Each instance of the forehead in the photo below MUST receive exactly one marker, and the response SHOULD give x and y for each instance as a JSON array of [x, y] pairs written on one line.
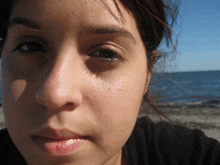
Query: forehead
[[66, 15], [88, 10]]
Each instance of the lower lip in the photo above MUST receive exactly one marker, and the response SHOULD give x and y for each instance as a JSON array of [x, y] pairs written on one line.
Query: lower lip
[[59, 147]]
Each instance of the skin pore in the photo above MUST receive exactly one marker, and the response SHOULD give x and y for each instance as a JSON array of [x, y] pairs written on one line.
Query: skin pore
[[71, 65]]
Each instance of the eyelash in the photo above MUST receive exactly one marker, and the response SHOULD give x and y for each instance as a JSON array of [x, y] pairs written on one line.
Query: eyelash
[[105, 54], [28, 44]]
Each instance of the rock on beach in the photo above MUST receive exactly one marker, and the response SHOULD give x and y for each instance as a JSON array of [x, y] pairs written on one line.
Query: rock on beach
[[2, 120]]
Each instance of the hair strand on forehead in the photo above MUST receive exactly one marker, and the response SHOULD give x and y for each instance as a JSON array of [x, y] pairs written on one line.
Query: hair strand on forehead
[[154, 15], [121, 17]]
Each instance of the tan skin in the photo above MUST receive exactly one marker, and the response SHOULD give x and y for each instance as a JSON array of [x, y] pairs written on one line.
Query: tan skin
[[59, 72]]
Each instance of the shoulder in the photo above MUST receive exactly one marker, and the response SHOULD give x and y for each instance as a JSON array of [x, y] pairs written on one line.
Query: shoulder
[[9, 155], [4, 135], [167, 143], [5, 139]]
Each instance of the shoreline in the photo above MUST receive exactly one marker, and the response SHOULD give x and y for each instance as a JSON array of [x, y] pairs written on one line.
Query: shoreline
[[195, 117]]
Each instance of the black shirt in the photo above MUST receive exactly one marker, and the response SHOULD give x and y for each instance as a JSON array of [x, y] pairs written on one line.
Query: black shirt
[[149, 144], [167, 144]]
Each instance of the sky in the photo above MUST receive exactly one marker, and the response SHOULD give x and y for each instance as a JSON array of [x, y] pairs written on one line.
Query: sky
[[198, 25]]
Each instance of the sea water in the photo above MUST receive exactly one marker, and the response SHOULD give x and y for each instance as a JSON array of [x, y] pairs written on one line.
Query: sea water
[[198, 88]]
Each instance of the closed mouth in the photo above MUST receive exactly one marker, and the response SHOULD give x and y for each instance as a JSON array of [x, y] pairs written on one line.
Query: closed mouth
[[58, 142]]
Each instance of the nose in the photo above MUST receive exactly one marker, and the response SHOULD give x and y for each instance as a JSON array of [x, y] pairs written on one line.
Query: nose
[[60, 87]]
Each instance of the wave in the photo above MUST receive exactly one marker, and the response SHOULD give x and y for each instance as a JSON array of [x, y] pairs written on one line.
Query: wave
[[210, 103]]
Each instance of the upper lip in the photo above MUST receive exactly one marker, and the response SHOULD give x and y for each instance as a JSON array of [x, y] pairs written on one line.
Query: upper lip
[[57, 134]]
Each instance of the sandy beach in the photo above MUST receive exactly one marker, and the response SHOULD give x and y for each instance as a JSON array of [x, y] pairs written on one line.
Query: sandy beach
[[204, 118]]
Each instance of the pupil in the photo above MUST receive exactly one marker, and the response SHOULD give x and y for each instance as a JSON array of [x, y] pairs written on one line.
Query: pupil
[[31, 47], [106, 54]]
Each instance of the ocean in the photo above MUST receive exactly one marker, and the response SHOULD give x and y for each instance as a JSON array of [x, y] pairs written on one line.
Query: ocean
[[200, 88]]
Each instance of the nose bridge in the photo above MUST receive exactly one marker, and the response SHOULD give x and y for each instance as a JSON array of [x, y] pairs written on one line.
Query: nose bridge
[[61, 86], [65, 66]]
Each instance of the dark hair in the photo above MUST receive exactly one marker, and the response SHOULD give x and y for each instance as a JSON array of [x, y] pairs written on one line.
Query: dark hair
[[155, 19], [152, 20]]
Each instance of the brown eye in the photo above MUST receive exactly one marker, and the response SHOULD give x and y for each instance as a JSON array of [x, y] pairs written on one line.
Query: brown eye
[[106, 54], [29, 47]]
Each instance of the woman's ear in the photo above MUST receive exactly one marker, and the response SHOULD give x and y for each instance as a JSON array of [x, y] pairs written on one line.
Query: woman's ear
[[148, 81], [152, 61], [154, 55]]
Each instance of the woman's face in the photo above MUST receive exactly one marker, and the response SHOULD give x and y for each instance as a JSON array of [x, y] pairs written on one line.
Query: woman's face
[[73, 78]]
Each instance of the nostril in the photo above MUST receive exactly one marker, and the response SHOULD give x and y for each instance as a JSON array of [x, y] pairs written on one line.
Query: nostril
[[70, 104]]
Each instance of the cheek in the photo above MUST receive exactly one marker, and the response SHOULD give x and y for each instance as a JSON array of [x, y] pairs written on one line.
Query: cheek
[[12, 94], [117, 101], [13, 90], [115, 104]]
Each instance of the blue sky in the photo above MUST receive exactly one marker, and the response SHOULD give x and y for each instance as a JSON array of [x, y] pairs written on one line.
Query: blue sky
[[199, 35]]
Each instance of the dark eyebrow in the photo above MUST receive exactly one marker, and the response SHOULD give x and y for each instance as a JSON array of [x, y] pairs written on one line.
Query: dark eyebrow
[[106, 30], [110, 30], [25, 22]]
